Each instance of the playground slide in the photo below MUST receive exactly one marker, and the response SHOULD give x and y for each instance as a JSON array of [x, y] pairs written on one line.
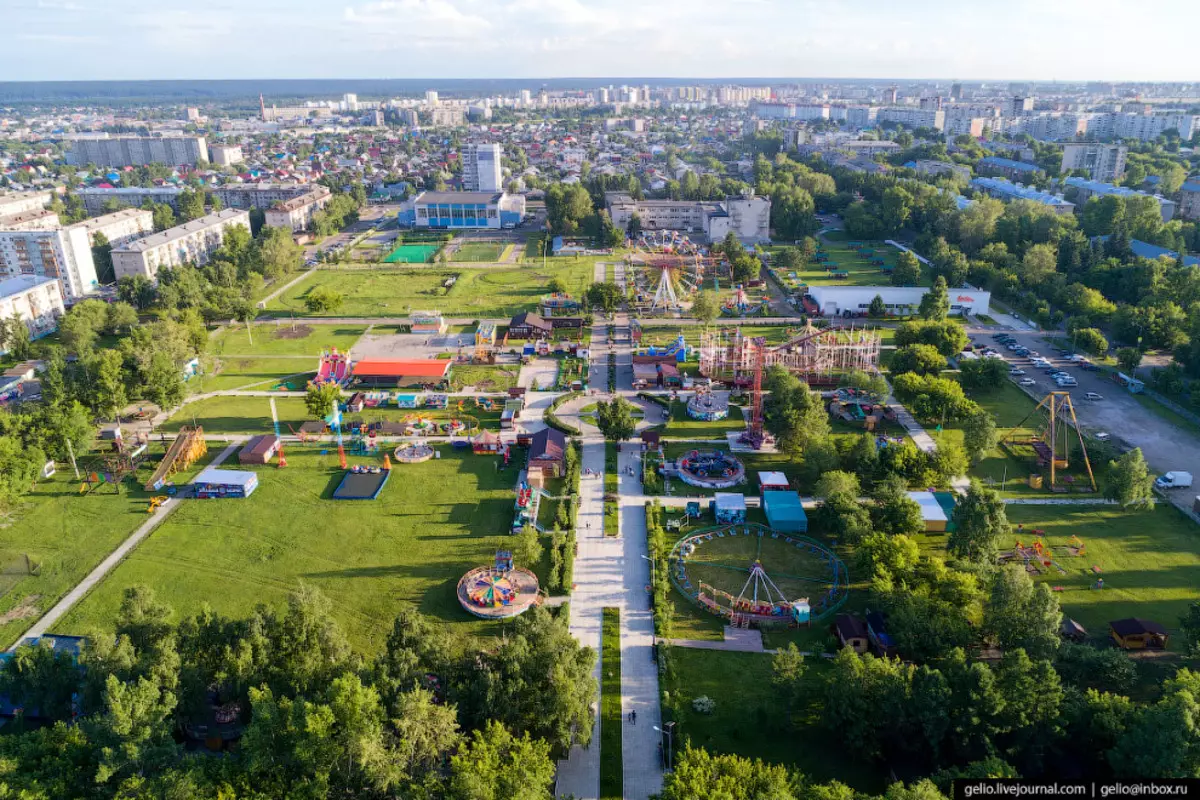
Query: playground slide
[[339, 374], [324, 371], [168, 461]]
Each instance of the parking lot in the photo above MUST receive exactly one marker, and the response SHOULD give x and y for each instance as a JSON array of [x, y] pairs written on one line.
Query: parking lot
[[1165, 446]]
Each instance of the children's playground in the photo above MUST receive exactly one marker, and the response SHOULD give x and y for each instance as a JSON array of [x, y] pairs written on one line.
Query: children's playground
[[753, 576], [708, 469], [1104, 563], [432, 523]]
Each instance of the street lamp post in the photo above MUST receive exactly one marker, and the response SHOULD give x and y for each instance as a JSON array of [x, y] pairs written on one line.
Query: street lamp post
[[669, 731]]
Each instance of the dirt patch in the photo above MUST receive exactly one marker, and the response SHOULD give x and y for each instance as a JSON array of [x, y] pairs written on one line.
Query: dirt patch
[[27, 608], [293, 332]]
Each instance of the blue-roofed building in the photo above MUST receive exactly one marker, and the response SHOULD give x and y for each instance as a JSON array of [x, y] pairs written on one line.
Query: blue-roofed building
[[785, 513], [1008, 191], [1082, 190], [1152, 251], [1013, 170], [1189, 199], [462, 210]]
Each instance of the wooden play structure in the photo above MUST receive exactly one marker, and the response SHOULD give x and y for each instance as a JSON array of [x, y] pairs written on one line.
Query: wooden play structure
[[188, 447], [818, 356], [1051, 443]]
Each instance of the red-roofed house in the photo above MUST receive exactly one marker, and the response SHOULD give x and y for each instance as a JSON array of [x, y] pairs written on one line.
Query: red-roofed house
[[401, 372]]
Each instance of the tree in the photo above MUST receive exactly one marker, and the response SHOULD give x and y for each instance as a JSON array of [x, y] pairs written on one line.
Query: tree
[[102, 256], [615, 419], [191, 204], [121, 316], [979, 523], [1189, 629], [706, 307], [894, 511], [556, 286], [1090, 340], [983, 374], [1128, 359], [1020, 614], [979, 434], [275, 253], [15, 337], [323, 299], [322, 398], [948, 337], [932, 398], [878, 308], [80, 327], [836, 482], [787, 673], [923, 359], [20, 467], [634, 229], [606, 295], [700, 775], [527, 549], [843, 518], [1129, 481], [935, 303], [907, 271], [109, 397]]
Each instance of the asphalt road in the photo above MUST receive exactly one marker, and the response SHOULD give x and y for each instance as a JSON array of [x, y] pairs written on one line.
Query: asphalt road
[[1165, 446]]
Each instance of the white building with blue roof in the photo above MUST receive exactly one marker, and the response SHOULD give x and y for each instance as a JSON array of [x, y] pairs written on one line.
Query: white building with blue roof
[[1008, 191], [1083, 190]]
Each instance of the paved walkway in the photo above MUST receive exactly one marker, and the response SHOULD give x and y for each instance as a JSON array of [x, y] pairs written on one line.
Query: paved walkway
[[737, 640], [51, 617]]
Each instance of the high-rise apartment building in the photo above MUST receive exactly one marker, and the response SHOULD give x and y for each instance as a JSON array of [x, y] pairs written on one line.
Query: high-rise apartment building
[[481, 168], [64, 254], [1103, 162], [133, 151]]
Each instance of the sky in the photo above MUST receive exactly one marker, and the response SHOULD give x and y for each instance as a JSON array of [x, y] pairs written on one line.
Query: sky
[[1115, 40]]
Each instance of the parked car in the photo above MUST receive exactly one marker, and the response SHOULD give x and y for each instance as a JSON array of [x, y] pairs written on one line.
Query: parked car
[[1015, 372], [1027, 381], [1094, 396]]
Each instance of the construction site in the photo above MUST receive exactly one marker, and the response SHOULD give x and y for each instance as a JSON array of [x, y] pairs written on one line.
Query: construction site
[[818, 356]]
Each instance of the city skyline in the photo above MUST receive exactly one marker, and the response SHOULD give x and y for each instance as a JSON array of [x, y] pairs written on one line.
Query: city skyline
[[429, 39]]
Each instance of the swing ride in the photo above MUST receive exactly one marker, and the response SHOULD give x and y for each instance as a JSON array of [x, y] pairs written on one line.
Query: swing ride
[[1051, 442]]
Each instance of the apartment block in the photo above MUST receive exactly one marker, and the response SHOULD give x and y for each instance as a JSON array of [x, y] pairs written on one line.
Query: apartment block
[[297, 214], [132, 151], [64, 254], [226, 155], [1008, 191], [95, 201], [1013, 170], [914, 117], [747, 217], [449, 116], [1189, 201], [1082, 190], [119, 227], [936, 168], [36, 300], [258, 195], [21, 202], [1103, 162], [482, 168], [42, 219], [191, 243], [862, 116]]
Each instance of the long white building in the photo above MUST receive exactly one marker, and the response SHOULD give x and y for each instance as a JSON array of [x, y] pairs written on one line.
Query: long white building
[[21, 202], [64, 255], [35, 300], [259, 195], [96, 199], [132, 151], [191, 243], [119, 227], [853, 301], [748, 217]]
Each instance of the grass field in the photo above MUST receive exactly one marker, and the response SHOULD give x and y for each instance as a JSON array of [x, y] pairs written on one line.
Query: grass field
[[283, 338], [238, 414], [484, 378], [861, 271], [1149, 560], [722, 563], [612, 771], [748, 721], [681, 426], [260, 373], [473, 292], [432, 522], [477, 251], [67, 534]]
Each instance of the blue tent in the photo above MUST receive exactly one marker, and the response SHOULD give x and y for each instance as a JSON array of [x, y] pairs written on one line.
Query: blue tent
[[785, 512]]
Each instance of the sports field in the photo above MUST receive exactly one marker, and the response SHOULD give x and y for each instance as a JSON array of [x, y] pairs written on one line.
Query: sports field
[[477, 251], [432, 522], [463, 292], [412, 254]]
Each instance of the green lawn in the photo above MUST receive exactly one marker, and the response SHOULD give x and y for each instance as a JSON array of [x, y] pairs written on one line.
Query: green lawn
[[432, 522], [67, 534], [477, 251], [1149, 560], [861, 271], [681, 426], [612, 770], [259, 373], [283, 338], [748, 721], [454, 291], [220, 415]]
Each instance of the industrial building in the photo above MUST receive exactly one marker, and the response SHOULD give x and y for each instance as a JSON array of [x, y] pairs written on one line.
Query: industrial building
[[190, 243], [747, 217], [35, 299], [853, 301], [133, 151], [1103, 162], [297, 214], [1082, 190], [481, 168], [462, 210]]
